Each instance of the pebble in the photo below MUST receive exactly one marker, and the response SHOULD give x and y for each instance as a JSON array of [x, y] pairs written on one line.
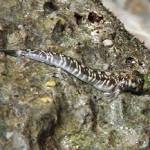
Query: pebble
[[46, 99], [107, 42], [9, 135], [50, 83]]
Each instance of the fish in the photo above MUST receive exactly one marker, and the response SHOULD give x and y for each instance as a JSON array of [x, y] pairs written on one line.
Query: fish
[[111, 83]]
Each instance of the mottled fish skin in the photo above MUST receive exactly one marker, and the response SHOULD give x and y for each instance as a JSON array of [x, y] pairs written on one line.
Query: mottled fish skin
[[111, 83]]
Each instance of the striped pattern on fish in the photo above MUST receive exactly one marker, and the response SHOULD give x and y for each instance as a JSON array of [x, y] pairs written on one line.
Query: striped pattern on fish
[[111, 83]]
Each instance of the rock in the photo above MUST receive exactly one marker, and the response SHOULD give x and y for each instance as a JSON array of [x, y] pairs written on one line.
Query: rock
[[44, 108], [107, 42]]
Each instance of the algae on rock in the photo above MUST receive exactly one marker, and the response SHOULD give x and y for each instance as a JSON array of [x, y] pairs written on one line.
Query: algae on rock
[[43, 107]]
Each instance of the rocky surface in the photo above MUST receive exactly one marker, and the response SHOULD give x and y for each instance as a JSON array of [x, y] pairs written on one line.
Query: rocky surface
[[135, 16], [43, 107]]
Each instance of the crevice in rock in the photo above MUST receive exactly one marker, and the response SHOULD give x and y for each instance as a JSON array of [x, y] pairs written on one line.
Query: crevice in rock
[[94, 113], [45, 133], [78, 18], [46, 137], [49, 7]]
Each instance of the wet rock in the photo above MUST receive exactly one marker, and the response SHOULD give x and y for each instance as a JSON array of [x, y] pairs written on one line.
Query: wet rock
[[42, 107]]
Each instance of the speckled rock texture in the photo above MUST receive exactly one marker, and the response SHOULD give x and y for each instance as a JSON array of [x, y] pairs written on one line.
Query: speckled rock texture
[[43, 107]]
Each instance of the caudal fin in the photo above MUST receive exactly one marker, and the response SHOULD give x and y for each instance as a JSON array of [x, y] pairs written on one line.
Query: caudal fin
[[9, 52]]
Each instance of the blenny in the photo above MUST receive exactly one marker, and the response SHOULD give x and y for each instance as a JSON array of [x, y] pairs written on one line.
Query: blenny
[[111, 83]]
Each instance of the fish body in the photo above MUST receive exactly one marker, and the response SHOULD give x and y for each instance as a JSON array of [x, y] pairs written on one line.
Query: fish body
[[108, 82]]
